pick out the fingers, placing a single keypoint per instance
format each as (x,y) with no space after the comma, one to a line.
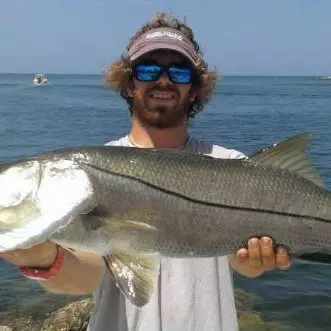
(254,253)
(283,260)
(261,254)
(267,253)
(242,254)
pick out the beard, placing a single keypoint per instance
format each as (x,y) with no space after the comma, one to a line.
(161,116)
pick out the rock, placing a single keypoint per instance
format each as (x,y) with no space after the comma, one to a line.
(17,322)
(5,328)
(73,317)
(244,301)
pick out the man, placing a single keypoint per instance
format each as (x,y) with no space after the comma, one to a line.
(165,81)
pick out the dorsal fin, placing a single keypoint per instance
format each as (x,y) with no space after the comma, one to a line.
(290,154)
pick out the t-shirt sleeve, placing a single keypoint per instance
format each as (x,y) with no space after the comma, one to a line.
(224,153)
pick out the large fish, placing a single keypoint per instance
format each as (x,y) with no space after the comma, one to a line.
(132,205)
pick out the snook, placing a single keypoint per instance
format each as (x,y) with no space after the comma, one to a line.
(138,204)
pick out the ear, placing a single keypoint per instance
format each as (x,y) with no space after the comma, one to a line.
(193,94)
(130,90)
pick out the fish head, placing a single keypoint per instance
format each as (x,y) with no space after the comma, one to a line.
(18,186)
(40,195)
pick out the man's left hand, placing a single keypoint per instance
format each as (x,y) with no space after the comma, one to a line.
(260,256)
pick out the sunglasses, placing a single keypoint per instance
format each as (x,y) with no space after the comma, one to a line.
(152,72)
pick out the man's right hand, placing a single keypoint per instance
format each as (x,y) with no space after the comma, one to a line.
(41,255)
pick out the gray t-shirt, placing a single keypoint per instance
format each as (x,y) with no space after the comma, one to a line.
(191,294)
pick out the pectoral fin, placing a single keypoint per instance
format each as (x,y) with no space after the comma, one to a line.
(134,274)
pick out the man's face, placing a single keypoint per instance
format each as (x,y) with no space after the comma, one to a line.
(161,103)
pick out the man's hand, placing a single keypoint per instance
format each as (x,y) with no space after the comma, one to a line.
(41,255)
(260,256)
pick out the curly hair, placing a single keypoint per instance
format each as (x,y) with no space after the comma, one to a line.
(119,74)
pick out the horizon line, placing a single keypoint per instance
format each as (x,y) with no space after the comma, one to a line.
(221,75)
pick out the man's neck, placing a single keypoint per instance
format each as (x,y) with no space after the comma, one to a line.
(144,136)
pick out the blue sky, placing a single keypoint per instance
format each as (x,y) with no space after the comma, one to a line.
(238,37)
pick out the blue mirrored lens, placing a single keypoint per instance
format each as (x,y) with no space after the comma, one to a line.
(148,73)
(180,75)
(152,72)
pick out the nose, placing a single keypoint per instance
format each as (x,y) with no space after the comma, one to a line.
(164,79)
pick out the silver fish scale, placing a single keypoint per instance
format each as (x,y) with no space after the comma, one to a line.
(180,204)
(198,205)
(239,183)
(246,200)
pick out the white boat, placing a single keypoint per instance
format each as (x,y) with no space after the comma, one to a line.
(324,77)
(39,79)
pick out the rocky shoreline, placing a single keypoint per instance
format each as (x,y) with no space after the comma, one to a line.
(71,317)
(74,316)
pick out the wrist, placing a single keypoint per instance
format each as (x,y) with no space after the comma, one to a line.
(45,272)
(47,255)
(41,258)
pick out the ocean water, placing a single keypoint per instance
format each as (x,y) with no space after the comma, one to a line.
(245,113)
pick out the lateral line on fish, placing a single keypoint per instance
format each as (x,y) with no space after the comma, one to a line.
(219,205)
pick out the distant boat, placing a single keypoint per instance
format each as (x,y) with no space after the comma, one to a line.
(324,77)
(39,79)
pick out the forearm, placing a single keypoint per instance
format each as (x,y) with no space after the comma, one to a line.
(80,274)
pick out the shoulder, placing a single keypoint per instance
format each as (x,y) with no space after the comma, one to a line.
(123,141)
(222,152)
(213,150)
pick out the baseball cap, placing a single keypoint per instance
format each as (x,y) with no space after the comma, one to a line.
(163,38)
